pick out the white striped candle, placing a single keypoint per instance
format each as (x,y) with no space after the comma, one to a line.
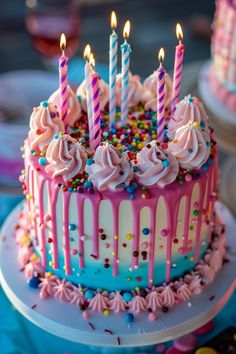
(160,97)
(63,76)
(95,96)
(178,68)
(113,68)
(125,53)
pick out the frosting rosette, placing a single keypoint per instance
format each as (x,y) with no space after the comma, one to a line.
(74,108)
(135,90)
(190,109)
(66,157)
(156,166)
(191,146)
(45,122)
(103,92)
(150,86)
(110,169)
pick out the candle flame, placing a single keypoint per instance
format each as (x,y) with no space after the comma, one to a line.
(126,30)
(161,55)
(113,20)
(179,32)
(87,52)
(63,41)
(92,60)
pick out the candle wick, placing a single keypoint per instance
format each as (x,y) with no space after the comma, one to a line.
(113,31)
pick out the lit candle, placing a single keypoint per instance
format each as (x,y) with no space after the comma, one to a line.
(160,97)
(178,67)
(125,53)
(63,68)
(87,71)
(113,68)
(95,96)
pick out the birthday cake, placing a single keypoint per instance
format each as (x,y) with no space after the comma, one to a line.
(120,215)
(223,48)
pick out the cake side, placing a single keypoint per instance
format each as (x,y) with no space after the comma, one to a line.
(223,51)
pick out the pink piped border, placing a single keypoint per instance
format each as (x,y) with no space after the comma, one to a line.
(151,300)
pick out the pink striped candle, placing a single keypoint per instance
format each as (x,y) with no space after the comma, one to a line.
(178,68)
(95,96)
(63,68)
(160,97)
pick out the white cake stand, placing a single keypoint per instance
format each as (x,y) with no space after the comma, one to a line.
(66,321)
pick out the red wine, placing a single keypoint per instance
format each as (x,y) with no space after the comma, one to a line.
(45,32)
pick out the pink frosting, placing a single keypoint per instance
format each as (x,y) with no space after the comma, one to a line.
(77,296)
(191,146)
(45,122)
(74,108)
(168,297)
(196,284)
(216,260)
(184,292)
(34,267)
(111,168)
(99,302)
(24,255)
(135,90)
(207,272)
(150,86)
(103,90)
(46,286)
(154,300)
(137,304)
(62,290)
(226,97)
(117,303)
(66,157)
(190,109)
(151,170)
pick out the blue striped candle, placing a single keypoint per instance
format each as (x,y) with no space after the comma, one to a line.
(125,53)
(113,69)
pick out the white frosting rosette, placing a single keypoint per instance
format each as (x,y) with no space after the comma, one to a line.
(150,86)
(190,109)
(66,157)
(191,146)
(45,122)
(103,91)
(135,90)
(111,169)
(74,108)
(156,166)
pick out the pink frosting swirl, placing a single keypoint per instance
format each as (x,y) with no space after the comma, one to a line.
(135,90)
(99,302)
(207,272)
(168,297)
(154,300)
(77,296)
(216,260)
(196,285)
(25,252)
(191,146)
(117,303)
(184,292)
(66,157)
(46,286)
(74,108)
(111,168)
(103,91)
(150,86)
(155,166)
(62,290)
(190,109)
(34,267)
(45,122)
(137,304)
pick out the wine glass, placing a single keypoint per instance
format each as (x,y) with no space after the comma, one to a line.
(46,20)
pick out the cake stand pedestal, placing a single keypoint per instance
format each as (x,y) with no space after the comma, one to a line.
(65,320)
